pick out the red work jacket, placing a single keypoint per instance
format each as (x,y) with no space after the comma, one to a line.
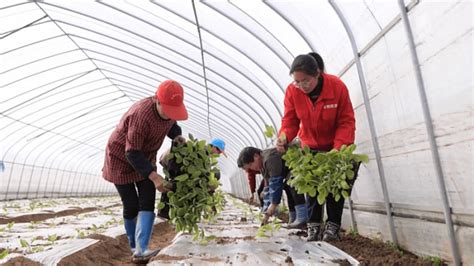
(252,179)
(328,123)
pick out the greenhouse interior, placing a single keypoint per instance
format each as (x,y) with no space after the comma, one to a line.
(138,132)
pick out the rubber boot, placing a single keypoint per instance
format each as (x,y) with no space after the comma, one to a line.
(291,217)
(130,227)
(301,217)
(314,232)
(143,233)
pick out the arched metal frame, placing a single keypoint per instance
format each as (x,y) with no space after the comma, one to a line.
(130,92)
(370,118)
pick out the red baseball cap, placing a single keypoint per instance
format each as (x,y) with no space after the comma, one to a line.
(170,95)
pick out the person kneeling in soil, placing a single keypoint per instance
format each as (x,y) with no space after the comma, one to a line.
(270,164)
(130,161)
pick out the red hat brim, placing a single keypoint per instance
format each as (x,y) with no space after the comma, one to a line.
(175,112)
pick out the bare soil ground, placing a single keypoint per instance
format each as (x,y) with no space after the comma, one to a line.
(371,252)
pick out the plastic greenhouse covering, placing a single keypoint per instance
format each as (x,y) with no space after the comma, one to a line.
(69,70)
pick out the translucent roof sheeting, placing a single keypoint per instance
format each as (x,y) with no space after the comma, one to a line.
(70,69)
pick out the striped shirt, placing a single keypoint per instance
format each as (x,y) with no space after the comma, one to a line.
(140,129)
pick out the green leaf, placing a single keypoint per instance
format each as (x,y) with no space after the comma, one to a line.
(37,249)
(350,174)
(269,131)
(182,178)
(361,158)
(211,237)
(24,243)
(10,225)
(345,194)
(344,185)
(161,205)
(352,148)
(4,254)
(321,198)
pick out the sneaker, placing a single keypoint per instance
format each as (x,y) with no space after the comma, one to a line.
(331,232)
(314,232)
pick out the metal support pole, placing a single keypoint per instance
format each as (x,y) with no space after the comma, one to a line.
(351,210)
(370,119)
(431,134)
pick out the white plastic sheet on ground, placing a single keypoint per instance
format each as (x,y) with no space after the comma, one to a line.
(106,220)
(236,244)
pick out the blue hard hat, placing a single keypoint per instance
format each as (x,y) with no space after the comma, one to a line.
(218,143)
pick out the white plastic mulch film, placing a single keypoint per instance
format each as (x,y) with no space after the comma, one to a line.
(70,69)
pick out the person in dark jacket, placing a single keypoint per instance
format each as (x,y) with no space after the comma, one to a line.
(130,160)
(269,163)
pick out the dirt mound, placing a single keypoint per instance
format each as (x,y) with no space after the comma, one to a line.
(21,261)
(43,216)
(370,252)
(116,251)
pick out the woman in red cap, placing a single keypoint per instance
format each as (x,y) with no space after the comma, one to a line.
(130,160)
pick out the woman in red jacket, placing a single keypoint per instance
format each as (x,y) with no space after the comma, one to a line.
(318,109)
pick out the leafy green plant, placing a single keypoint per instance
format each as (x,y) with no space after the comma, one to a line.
(206,239)
(52,238)
(435,260)
(37,249)
(10,226)
(33,224)
(35,204)
(269,131)
(28,248)
(80,234)
(271,227)
(353,232)
(4,254)
(195,197)
(24,243)
(107,212)
(323,173)
(395,248)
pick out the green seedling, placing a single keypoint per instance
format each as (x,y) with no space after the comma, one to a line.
(4,254)
(323,173)
(33,224)
(193,200)
(435,260)
(271,227)
(395,248)
(269,131)
(52,238)
(353,232)
(80,234)
(10,226)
